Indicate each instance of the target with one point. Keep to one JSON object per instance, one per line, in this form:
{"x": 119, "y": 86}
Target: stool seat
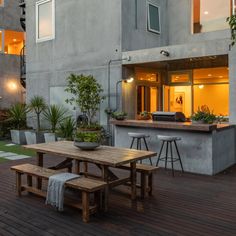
{"x": 138, "y": 135}
{"x": 168, "y": 138}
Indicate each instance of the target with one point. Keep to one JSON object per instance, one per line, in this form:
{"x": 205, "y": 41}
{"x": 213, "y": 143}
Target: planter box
{"x": 33, "y": 137}
{"x": 49, "y": 137}
{"x": 18, "y": 136}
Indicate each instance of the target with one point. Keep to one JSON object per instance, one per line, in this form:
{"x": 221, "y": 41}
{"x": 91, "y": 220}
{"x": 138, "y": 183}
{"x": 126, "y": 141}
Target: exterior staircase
{"x": 22, "y": 5}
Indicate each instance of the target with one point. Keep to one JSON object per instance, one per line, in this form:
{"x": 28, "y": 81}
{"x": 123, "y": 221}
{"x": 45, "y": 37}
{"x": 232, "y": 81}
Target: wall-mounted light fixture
{"x": 165, "y": 53}
{"x": 129, "y": 80}
{"x": 12, "y": 86}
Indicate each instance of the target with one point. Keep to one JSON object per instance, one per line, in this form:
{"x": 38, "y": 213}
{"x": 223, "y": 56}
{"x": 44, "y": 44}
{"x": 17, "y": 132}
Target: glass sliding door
{"x": 147, "y": 98}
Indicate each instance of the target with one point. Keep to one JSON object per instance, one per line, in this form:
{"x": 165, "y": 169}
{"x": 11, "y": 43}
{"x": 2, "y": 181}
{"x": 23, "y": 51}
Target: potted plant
{"x": 17, "y": 116}
{"x": 144, "y": 116}
{"x": 37, "y": 105}
{"x": 66, "y": 129}
{"x": 119, "y": 115}
{"x": 203, "y": 116}
{"x": 54, "y": 114}
{"x": 87, "y": 94}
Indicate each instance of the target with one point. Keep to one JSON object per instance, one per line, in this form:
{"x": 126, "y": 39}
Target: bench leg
{"x": 18, "y": 183}
{"x": 143, "y": 185}
{"x": 150, "y": 184}
{"x": 29, "y": 180}
{"x": 39, "y": 163}
{"x": 85, "y": 206}
{"x": 98, "y": 199}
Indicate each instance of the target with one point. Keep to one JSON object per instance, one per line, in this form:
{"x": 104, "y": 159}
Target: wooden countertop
{"x": 188, "y": 126}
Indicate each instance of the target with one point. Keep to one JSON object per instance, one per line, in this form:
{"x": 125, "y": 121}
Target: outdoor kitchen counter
{"x": 204, "y": 148}
{"x": 172, "y": 125}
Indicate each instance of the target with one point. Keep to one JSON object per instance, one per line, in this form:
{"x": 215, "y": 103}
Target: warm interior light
{"x": 206, "y": 12}
{"x": 201, "y": 86}
{"x": 209, "y": 75}
{"x": 130, "y": 80}
{"x": 14, "y": 40}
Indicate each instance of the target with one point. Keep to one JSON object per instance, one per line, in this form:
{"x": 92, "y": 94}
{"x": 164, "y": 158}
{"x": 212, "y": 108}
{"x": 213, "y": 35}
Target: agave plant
{"x": 17, "y": 114}
{"x": 38, "y": 105}
{"x": 54, "y": 114}
{"x": 67, "y": 128}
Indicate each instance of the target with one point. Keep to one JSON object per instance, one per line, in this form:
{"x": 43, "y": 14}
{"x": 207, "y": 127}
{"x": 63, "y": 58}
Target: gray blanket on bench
{"x": 56, "y": 189}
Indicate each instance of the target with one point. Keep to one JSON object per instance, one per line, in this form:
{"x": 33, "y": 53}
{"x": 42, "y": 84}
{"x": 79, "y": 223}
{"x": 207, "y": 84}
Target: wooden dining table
{"x": 103, "y": 156}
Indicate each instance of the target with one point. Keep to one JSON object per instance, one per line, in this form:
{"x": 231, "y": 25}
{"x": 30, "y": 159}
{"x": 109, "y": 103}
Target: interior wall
{"x": 217, "y": 97}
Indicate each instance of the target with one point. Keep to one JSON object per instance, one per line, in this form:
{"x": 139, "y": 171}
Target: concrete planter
{"x": 18, "y": 136}
{"x": 49, "y": 137}
{"x": 33, "y": 137}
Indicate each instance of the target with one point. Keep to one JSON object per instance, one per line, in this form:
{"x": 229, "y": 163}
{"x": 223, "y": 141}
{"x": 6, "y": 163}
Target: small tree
{"x": 38, "y": 105}
{"x": 87, "y": 94}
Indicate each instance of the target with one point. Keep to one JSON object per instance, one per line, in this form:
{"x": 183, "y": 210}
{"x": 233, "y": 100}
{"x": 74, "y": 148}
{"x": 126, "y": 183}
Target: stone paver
{"x": 16, "y": 157}
{"x": 7, "y": 154}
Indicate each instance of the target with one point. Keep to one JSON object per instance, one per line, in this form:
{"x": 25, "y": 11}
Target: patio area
{"x": 185, "y": 205}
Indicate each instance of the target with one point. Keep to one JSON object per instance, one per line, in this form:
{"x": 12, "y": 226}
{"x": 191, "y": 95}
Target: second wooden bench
{"x": 85, "y": 185}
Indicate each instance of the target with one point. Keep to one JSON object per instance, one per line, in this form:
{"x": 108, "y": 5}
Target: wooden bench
{"x": 85, "y": 185}
{"x": 146, "y": 173}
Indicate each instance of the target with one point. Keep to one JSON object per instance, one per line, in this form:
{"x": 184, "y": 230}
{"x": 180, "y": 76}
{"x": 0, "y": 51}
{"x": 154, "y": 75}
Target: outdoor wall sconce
{"x": 165, "y": 53}
{"x": 127, "y": 81}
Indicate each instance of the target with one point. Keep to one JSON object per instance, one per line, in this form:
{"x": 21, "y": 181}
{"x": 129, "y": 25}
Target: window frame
{"x": 3, "y": 43}
{"x": 2, "y": 5}
{"x": 51, "y": 37}
{"x": 149, "y": 29}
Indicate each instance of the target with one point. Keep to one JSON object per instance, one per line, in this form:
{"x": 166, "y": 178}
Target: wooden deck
{"x": 184, "y": 205}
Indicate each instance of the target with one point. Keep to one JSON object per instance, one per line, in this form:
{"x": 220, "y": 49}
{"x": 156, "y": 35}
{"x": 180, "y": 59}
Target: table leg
{"x": 106, "y": 191}
{"x": 39, "y": 163}
{"x": 133, "y": 179}
{"x": 77, "y": 167}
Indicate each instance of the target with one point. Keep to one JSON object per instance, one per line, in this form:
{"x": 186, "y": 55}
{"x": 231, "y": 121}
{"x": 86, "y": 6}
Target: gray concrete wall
{"x": 88, "y": 35}
{"x": 10, "y": 64}
{"x": 10, "y": 15}
{"x": 9, "y": 73}
{"x": 135, "y": 34}
{"x": 179, "y": 17}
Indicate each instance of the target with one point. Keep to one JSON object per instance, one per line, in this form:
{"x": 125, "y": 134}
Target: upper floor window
{"x": 210, "y": 15}
{"x": 1, "y": 3}
{"x": 45, "y": 20}
{"x": 11, "y": 42}
{"x": 153, "y": 18}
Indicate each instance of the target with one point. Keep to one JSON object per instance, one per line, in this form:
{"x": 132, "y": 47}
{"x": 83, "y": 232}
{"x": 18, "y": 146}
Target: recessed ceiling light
{"x": 201, "y": 86}
{"x": 14, "y": 40}
{"x": 209, "y": 75}
{"x": 221, "y": 76}
{"x": 206, "y": 12}
{"x": 177, "y": 77}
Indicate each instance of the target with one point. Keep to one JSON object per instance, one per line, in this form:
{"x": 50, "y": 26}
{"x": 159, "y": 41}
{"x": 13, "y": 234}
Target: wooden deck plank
{"x": 185, "y": 205}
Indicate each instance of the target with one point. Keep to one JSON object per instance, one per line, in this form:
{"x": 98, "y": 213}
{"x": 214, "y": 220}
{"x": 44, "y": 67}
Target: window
{"x": 153, "y": 19}
{"x": 210, "y": 15}
{"x": 180, "y": 77}
{"x": 11, "y": 42}
{"x": 1, "y": 3}
{"x": 45, "y": 20}
{"x": 1, "y": 40}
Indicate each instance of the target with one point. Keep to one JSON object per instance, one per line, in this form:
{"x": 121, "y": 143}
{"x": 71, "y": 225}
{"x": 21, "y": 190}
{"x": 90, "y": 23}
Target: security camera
{"x": 164, "y": 53}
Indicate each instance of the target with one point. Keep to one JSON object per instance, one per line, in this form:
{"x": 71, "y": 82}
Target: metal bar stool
{"x": 169, "y": 140}
{"x": 139, "y": 137}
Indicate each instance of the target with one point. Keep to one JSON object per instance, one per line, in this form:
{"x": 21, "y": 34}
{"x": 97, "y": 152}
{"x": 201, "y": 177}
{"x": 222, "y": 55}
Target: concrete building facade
{"x": 11, "y": 43}
{"x": 185, "y": 41}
